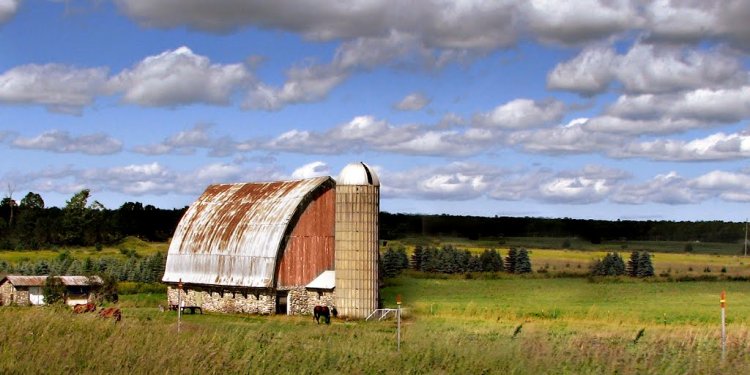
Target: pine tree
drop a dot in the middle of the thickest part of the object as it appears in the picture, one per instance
(416, 258)
(511, 261)
(632, 269)
(491, 261)
(523, 263)
(645, 267)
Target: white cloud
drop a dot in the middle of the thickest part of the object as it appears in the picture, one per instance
(588, 73)
(180, 77)
(61, 141)
(573, 138)
(669, 188)
(303, 85)
(692, 21)
(571, 22)
(8, 9)
(454, 181)
(717, 146)
(413, 102)
(707, 106)
(59, 88)
(313, 169)
(523, 113)
(647, 68)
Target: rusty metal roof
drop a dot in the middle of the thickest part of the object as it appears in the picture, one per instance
(17, 280)
(232, 234)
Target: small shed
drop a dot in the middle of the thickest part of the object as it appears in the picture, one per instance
(28, 290)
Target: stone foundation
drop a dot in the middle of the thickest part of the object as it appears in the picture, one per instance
(302, 301)
(249, 303)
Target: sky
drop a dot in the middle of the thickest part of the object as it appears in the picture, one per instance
(591, 109)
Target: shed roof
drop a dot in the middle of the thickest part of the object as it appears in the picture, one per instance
(232, 235)
(18, 280)
(326, 280)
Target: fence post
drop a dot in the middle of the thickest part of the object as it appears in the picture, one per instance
(723, 325)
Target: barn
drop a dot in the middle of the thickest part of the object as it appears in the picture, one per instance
(280, 247)
(27, 290)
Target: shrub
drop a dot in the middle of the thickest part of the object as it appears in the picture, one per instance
(54, 290)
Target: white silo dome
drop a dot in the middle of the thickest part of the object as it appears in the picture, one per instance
(358, 174)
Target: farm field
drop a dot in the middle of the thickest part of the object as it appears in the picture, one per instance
(511, 325)
(141, 248)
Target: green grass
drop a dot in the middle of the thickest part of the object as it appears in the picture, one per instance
(512, 325)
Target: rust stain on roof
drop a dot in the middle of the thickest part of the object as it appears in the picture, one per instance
(231, 235)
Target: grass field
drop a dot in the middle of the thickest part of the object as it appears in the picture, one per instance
(511, 325)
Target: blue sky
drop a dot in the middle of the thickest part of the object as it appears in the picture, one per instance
(610, 109)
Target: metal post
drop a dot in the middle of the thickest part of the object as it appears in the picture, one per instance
(398, 324)
(723, 326)
(745, 237)
(179, 305)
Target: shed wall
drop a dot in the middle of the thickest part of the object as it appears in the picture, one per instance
(310, 247)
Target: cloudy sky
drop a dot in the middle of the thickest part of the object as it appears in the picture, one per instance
(609, 109)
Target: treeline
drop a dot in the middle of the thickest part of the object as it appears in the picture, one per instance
(139, 269)
(450, 260)
(395, 226)
(28, 224)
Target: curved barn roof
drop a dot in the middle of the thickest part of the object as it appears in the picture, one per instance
(232, 235)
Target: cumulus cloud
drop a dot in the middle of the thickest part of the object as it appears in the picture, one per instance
(717, 146)
(523, 113)
(366, 133)
(668, 188)
(303, 85)
(186, 142)
(588, 185)
(142, 179)
(691, 21)
(63, 142)
(310, 170)
(709, 106)
(413, 102)
(580, 21)
(646, 68)
(8, 9)
(59, 88)
(180, 77)
(454, 181)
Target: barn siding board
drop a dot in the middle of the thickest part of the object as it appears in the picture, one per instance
(310, 248)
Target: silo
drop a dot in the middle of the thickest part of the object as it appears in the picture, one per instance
(357, 208)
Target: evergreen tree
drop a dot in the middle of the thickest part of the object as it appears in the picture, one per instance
(523, 263)
(611, 265)
(645, 267)
(416, 258)
(491, 261)
(475, 264)
(632, 268)
(511, 260)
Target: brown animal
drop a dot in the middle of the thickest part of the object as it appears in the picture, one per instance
(84, 308)
(111, 312)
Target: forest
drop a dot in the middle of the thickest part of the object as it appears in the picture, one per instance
(29, 225)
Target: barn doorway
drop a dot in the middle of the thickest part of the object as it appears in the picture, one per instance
(281, 302)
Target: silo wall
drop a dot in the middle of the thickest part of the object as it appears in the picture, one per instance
(357, 208)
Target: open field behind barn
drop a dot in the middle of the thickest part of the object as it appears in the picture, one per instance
(452, 325)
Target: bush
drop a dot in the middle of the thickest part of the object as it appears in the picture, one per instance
(53, 290)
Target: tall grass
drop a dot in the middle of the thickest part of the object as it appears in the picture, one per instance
(451, 326)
